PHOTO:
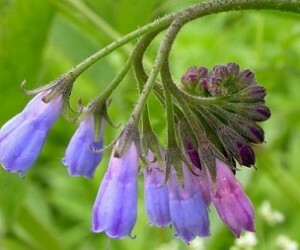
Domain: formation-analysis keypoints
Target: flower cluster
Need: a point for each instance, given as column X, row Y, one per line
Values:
column 178, row 192
column 22, row 138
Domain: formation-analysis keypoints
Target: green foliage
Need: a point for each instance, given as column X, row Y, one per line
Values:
column 39, row 40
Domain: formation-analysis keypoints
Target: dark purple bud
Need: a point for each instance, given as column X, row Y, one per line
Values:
column 248, row 129
column 247, row 77
column 247, row 156
column 256, row 134
column 252, row 111
column 261, row 113
column 236, row 146
column 193, row 155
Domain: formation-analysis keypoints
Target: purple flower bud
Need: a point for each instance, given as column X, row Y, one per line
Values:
column 115, row 208
column 80, row 157
column 22, row 137
column 253, row 111
column 233, row 69
column 156, row 195
column 261, row 113
column 247, row 77
column 193, row 155
column 257, row 133
column 252, row 93
column 190, row 76
column 247, row 156
column 187, row 207
column 221, row 72
column 231, row 202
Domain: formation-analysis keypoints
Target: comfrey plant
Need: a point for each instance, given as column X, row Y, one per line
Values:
column 212, row 126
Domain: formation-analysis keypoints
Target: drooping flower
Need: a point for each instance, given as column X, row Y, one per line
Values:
column 187, row 208
column 80, row 157
column 115, row 208
column 156, row 195
column 22, row 137
column 231, row 201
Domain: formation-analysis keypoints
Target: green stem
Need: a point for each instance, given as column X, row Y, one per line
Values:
column 88, row 62
column 185, row 15
column 140, row 73
column 99, row 103
column 170, row 119
column 104, row 95
column 162, row 54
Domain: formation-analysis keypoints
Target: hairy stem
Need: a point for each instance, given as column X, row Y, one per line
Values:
column 186, row 15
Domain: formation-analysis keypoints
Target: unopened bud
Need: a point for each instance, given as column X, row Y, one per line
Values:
column 260, row 113
column 247, row 77
column 221, row 71
column 247, row 156
column 251, row 93
column 233, row 69
column 237, row 146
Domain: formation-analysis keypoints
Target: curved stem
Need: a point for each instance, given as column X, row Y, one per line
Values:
column 88, row 62
column 162, row 54
column 140, row 73
column 115, row 82
column 185, row 15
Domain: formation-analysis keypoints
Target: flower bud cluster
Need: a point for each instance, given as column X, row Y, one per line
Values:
column 237, row 104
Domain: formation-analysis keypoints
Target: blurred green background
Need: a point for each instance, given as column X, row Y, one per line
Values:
column 41, row 39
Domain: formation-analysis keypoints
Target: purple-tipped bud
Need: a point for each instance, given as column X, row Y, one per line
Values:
column 237, row 146
column 221, row 72
column 252, row 111
column 256, row 133
column 115, row 208
column 231, row 202
column 252, row 93
column 193, row 155
column 261, row 113
column 246, row 153
column 187, row 207
column 233, row 69
column 190, row 80
column 190, row 77
column 214, row 84
column 156, row 195
column 80, row 157
column 22, row 137
column 247, row 77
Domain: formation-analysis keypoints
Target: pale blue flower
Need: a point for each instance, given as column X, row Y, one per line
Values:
column 23, row 136
column 156, row 195
column 115, row 208
column 80, row 157
column 187, row 207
